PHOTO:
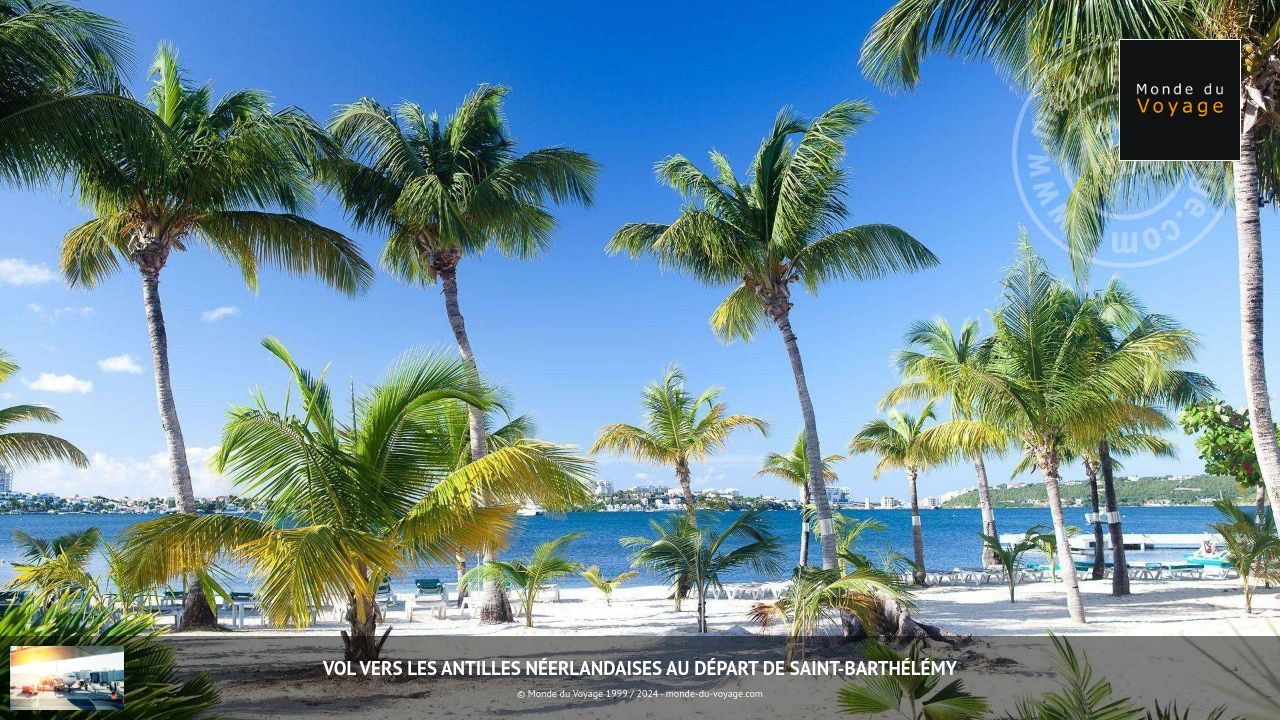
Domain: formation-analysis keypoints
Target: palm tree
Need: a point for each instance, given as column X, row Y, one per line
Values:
column 58, row 566
column 679, row 428
column 911, row 696
column 1053, row 383
column 547, row 565
column 445, row 190
column 607, row 585
column 19, row 448
column 705, row 552
column 202, row 173
column 794, row 468
column 1252, row 546
column 1010, row 558
column 933, row 355
column 778, row 228
column 896, row 442
column 1065, row 54
column 346, row 505
column 58, row 85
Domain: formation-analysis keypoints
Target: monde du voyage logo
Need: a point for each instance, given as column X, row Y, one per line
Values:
column 1179, row 99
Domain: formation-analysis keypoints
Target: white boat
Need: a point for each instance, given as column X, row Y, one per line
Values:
column 530, row 510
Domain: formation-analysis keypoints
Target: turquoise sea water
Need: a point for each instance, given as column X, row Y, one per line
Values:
column 949, row 535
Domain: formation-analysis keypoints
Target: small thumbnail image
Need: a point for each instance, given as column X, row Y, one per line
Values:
column 66, row 677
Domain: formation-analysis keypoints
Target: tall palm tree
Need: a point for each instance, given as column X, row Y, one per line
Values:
column 1052, row 383
column 779, row 227
column 1065, row 53
column 896, row 441
column 929, row 364
column 679, row 428
column 444, row 190
column 231, row 175
column 794, row 468
column 349, row 504
column 58, row 85
column 21, row 447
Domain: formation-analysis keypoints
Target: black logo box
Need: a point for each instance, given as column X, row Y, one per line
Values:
column 1191, row 67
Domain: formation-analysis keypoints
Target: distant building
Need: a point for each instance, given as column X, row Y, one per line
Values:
column 932, row 503
column 6, row 479
column 888, row 502
column 603, row 487
column 838, row 495
column 866, row 504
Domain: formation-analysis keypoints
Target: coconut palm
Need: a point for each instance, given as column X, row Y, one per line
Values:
column 896, row 441
column 794, row 468
column 58, row 85
column 547, row 565
column 779, row 227
column 346, row 505
column 22, row 447
column 909, row 695
column 704, row 552
column 933, row 355
column 679, row 428
column 1010, row 558
column 1065, row 53
column 1053, row 383
column 607, row 585
column 442, row 191
column 231, row 175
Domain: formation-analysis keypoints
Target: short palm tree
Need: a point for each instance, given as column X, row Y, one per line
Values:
column 934, row 354
column 907, row 695
column 1009, row 558
column 57, row 566
column 58, row 85
column 794, row 468
column 826, row 597
column 679, row 428
column 1253, row 549
column 1065, row 53
column 896, row 441
column 779, row 228
column 231, row 175
column 705, row 552
column 22, row 447
column 547, row 565
column 607, row 585
column 347, row 505
column 1052, row 383
column 444, row 190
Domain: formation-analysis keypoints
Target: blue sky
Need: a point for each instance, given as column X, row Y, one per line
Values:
column 575, row 334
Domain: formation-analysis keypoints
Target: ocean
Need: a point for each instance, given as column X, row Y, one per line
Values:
column 949, row 535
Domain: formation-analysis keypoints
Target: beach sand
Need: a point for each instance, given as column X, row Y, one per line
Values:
column 1155, row 608
column 274, row 673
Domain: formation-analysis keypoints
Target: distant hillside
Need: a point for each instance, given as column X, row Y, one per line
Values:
column 1199, row 490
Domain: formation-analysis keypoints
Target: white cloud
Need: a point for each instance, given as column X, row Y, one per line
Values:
column 642, row 476
column 51, row 315
column 124, row 363
column 6, row 396
column 50, row 382
column 117, row 477
column 15, row 271
column 220, row 313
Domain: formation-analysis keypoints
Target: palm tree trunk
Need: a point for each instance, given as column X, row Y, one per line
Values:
column 195, row 608
column 497, row 606
column 1260, row 504
column 1099, row 556
column 361, row 641
column 1119, row 566
column 988, row 512
column 917, row 533
column 1249, row 239
column 1049, row 469
column 804, row 527
column 683, row 477
column 817, row 486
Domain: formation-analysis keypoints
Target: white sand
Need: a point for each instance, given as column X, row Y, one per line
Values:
column 1191, row 607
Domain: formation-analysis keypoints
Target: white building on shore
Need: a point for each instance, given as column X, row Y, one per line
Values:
column 6, row 479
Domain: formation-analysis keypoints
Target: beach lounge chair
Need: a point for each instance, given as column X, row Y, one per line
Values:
column 430, row 588
column 1184, row 571
column 544, row 593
